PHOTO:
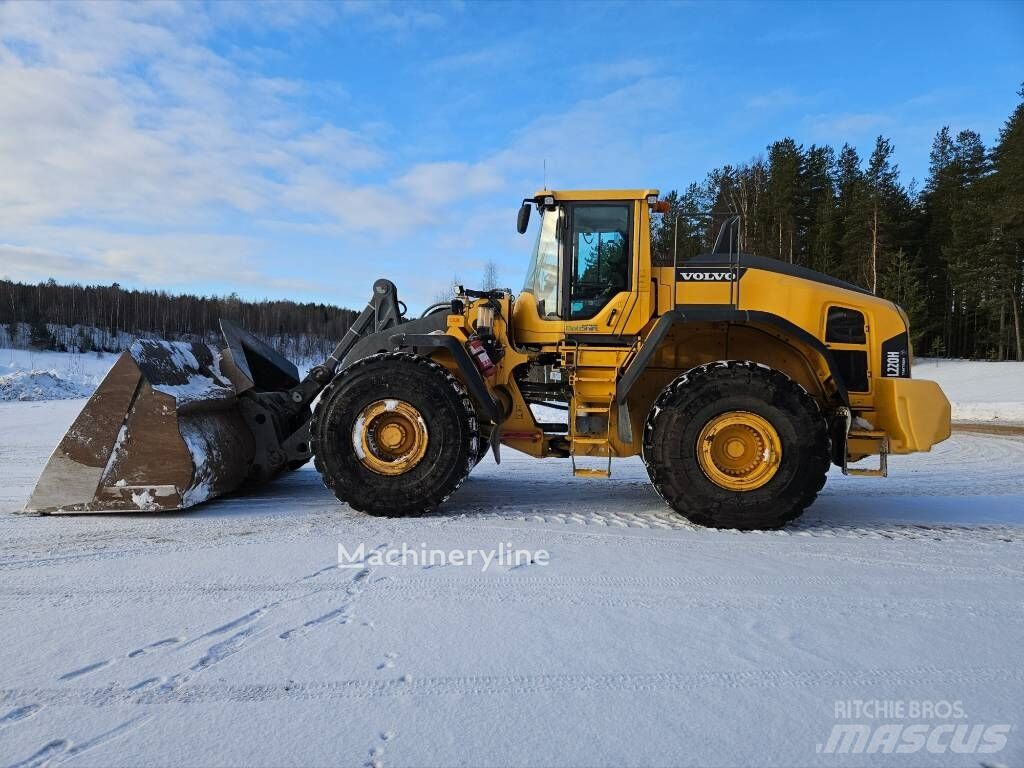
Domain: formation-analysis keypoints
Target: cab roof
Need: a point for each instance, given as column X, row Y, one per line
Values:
column 596, row 194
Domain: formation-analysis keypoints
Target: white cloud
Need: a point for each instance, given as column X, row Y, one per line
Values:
column 132, row 151
column 619, row 70
column 162, row 260
column 777, row 98
column 847, row 124
column 122, row 116
column 480, row 58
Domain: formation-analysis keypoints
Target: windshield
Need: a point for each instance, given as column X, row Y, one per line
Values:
column 542, row 276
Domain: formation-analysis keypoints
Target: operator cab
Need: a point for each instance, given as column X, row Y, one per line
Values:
column 583, row 256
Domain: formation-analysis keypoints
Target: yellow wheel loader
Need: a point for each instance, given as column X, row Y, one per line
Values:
column 737, row 378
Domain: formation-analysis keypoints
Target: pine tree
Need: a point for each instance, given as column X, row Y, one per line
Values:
column 937, row 203
column 1008, row 216
column 850, row 219
column 900, row 281
column 818, row 208
column 883, row 191
column 785, row 159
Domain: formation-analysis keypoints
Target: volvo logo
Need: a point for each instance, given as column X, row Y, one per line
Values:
column 691, row 275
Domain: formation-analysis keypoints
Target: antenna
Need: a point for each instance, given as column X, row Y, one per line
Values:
column 545, row 174
column 675, row 260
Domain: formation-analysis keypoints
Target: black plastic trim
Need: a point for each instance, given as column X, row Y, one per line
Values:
column 723, row 262
column 380, row 341
column 597, row 339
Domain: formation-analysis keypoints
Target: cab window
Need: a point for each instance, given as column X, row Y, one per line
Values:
column 846, row 327
column 542, row 277
column 600, row 264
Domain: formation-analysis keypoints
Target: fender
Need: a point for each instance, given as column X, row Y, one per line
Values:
column 712, row 314
column 471, row 376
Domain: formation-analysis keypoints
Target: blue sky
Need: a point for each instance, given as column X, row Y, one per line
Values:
column 302, row 150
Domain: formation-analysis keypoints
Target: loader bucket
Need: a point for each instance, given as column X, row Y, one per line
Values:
column 163, row 431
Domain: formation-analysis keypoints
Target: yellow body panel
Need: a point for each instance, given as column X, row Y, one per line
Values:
column 593, row 354
column 914, row 414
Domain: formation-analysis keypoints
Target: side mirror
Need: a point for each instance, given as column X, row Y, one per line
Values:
column 523, row 219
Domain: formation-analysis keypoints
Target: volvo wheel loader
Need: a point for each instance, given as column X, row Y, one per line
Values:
column 738, row 379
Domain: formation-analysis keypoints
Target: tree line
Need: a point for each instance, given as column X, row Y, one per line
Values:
column 951, row 252
column 108, row 317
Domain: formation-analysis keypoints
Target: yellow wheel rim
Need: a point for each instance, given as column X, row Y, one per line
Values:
column 390, row 437
column 739, row 450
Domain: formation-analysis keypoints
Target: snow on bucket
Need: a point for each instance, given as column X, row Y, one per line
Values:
column 163, row 431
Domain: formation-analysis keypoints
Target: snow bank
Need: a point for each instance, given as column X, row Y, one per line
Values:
column 979, row 390
column 40, row 385
column 86, row 370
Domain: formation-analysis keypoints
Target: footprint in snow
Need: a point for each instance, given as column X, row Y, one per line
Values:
column 149, row 682
column 18, row 714
column 86, row 670
column 376, row 756
column 339, row 614
column 247, row 618
column 61, row 750
column 153, row 646
column 389, row 661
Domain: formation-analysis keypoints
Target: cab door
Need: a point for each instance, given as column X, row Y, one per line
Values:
column 598, row 266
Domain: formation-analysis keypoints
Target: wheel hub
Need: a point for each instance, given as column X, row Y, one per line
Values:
column 739, row 450
column 390, row 437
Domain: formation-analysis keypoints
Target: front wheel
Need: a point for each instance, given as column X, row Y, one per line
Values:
column 395, row 434
column 736, row 445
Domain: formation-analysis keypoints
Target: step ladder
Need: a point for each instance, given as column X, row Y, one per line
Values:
column 587, row 382
column 869, row 442
column 877, row 439
column 590, row 441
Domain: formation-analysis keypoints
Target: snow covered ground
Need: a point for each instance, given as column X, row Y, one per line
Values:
column 227, row 636
column 978, row 390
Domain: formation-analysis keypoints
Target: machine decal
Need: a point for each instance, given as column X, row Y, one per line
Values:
column 896, row 357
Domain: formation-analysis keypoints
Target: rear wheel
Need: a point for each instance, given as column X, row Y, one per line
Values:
column 736, row 445
column 394, row 434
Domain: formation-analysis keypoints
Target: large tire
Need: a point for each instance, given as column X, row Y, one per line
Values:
column 711, row 392
column 447, row 416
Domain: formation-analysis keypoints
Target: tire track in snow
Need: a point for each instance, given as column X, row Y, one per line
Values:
column 890, row 606
column 506, row 685
column 662, row 519
column 137, row 594
column 943, row 568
